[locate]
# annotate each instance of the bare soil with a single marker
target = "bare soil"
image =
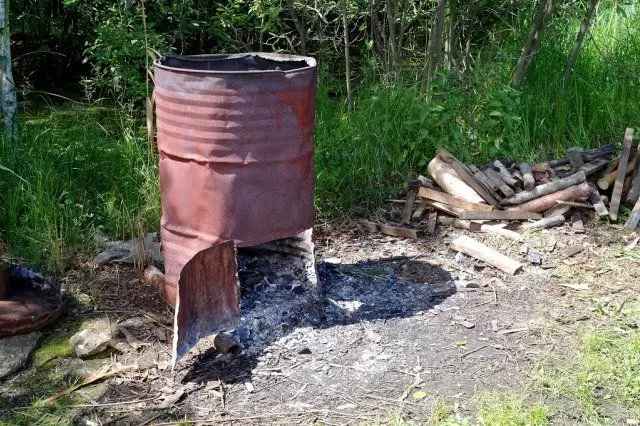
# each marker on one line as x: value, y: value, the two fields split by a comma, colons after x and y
x: 396, y: 318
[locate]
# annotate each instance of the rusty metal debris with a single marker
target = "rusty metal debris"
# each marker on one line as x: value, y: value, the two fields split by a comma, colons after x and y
x: 31, y: 301
x: 208, y: 298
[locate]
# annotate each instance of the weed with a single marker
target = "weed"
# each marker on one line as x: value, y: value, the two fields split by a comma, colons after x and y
x: 500, y: 409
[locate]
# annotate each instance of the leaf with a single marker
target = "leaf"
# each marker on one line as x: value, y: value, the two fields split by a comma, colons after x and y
x: 419, y: 395
x: 461, y: 343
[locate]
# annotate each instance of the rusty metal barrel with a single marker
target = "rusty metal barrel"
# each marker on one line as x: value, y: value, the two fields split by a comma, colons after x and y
x: 235, y: 136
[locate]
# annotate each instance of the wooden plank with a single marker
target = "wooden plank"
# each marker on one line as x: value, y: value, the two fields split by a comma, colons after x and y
x: 500, y: 215
x: 634, y: 217
x: 453, y: 211
x: 417, y: 215
x: 546, y: 189
x: 616, y: 196
x: 467, y: 176
x: 408, y: 207
x: 451, y: 200
x: 431, y: 222
x: 596, y: 200
x: 394, y: 231
x: 476, y: 249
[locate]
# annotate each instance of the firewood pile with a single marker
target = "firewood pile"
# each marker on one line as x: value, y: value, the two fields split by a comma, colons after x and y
x: 509, y: 197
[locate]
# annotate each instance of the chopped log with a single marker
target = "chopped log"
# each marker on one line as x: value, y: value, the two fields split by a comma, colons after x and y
x: 431, y: 222
x: 596, y: 200
x: 476, y: 249
x: 417, y: 215
x: 527, y: 176
x: 394, y: 231
x: 609, y: 179
x: 408, y: 207
x: 557, y: 210
x: 546, y: 202
x: 594, y: 166
x: 542, y: 177
x: 453, y: 211
x: 458, y: 223
x: 540, y: 167
x: 575, y: 157
x: 605, y: 200
x: 503, y: 187
x: 545, y: 189
x: 616, y: 196
x: 468, y: 178
x: 470, y: 225
x: 547, y: 222
x: 421, y: 181
x: 504, y: 173
x: 500, y: 215
x: 587, y: 156
x: 577, y: 224
x: 489, y: 183
x: 518, y: 177
x: 451, y: 200
x: 575, y: 204
x: 634, y: 217
x: 552, y: 175
x: 449, y: 180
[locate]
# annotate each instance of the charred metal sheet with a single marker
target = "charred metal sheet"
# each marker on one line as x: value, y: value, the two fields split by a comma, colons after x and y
x: 209, y: 297
x: 235, y: 135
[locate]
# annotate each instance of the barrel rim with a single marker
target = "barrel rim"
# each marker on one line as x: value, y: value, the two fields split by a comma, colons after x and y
x: 311, y: 63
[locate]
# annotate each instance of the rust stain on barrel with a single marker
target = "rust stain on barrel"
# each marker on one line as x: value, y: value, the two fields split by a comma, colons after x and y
x: 235, y: 135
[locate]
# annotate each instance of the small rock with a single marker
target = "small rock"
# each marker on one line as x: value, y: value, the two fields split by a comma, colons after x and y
x: 15, y: 351
x: 89, y: 342
x: 524, y: 249
x: 305, y: 351
x: 332, y: 260
x: 417, y: 369
x: 494, y: 326
x: 466, y: 324
x: 535, y: 258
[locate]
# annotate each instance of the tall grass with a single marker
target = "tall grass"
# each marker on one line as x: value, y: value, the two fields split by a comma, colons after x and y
x: 84, y: 169
x: 77, y: 170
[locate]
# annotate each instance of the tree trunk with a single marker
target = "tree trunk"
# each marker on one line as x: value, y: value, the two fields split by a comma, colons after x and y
x: 299, y: 27
x: 9, y: 100
x: 435, y: 44
x: 532, y: 43
x: 347, y: 62
x: 584, y: 27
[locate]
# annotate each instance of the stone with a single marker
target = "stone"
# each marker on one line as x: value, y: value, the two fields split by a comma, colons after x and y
x: 89, y: 342
x: 15, y: 352
x: 534, y: 258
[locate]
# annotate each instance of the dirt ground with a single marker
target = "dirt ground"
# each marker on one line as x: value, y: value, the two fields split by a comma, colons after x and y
x: 402, y: 325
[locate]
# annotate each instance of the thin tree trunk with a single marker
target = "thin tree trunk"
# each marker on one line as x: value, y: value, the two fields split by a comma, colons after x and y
x: 584, y: 27
x: 391, y: 22
x: 435, y: 44
x: 347, y: 62
x: 299, y: 27
x: 9, y: 101
x: 530, y: 49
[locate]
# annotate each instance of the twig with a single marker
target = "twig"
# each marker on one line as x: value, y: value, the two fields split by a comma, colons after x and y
x: 473, y: 351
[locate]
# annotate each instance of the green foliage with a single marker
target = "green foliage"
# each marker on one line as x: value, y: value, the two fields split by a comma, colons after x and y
x: 499, y: 409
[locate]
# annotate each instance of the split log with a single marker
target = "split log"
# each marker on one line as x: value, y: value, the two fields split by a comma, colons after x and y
x: 547, y: 222
x: 451, y: 200
x: 449, y: 180
x: 504, y: 173
x: 476, y: 249
x: 489, y: 183
x: 527, y: 176
x: 575, y: 157
x: 587, y: 156
x: 468, y: 178
x: 545, y: 189
x: 577, y: 224
x: 616, y: 196
x: 596, y: 200
x: 557, y: 210
x: 408, y: 207
x: 503, y: 187
x: 394, y: 231
x: 546, y: 202
x: 609, y: 179
x: 431, y: 222
x: 500, y: 215
x: 417, y: 215
x: 470, y: 225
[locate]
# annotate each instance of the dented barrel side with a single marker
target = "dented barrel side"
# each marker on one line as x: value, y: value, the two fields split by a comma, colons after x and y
x: 236, y: 155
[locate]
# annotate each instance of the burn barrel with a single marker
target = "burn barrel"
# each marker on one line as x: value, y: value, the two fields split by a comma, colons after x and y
x: 235, y: 136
